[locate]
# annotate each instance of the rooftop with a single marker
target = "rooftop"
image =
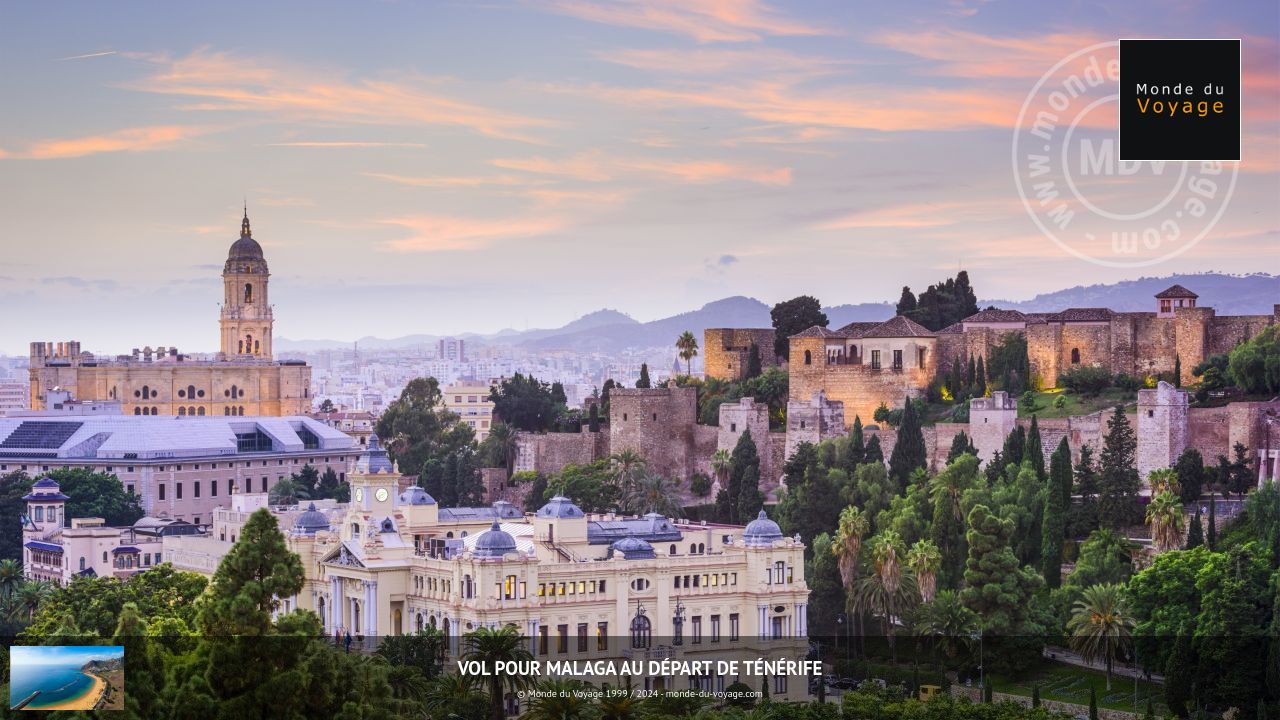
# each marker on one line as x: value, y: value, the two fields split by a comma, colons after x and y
x: 1175, y: 291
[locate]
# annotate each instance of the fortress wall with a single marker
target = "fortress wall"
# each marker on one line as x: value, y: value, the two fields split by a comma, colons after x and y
x: 725, y: 351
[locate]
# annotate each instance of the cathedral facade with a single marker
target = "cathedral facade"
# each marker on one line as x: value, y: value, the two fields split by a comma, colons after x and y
x: 241, y: 379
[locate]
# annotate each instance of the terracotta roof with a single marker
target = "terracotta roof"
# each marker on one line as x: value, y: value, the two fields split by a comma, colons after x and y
x: 856, y: 329
x: 817, y: 331
x: 1082, y: 315
x: 996, y: 315
x: 952, y: 329
x: 899, y: 327
x: 1176, y: 291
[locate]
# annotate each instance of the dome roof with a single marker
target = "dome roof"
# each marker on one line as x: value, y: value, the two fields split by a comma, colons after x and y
x: 633, y: 548
x: 46, y: 482
x: 416, y: 496
x: 311, y: 521
x: 494, y: 543
x: 246, y: 248
x: 560, y: 507
x: 762, y: 531
x: 374, y: 459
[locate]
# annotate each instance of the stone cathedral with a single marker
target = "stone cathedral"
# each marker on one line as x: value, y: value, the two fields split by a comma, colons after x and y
x: 242, y: 378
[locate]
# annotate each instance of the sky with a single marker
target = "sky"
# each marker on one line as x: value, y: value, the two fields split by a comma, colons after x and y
x: 28, y: 655
x: 450, y: 167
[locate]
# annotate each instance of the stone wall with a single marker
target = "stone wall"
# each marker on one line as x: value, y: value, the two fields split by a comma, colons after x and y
x: 725, y: 351
x: 813, y: 421
x: 737, y: 418
x: 990, y: 422
x: 548, y: 453
x: 861, y: 388
x: 658, y: 423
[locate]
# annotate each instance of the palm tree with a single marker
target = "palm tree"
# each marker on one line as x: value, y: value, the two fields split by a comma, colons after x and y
x: 948, y: 621
x: 491, y: 646
x: 924, y: 559
x: 618, y: 708
x: 848, y: 542
x: 1164, y: 479
x: 721, y: 463
x: 688, y: 346
x: 450, y: 691
x: 1100, y: 625
x: 888, y: 591
x: 652, y: 493
x: 1167, y: 521
x: 504, y: 439
x: 10, y: 577
x: 29, y: 597
x: 626, y: 465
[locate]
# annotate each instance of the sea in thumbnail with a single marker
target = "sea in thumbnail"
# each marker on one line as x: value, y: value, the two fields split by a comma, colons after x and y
x: 60, y: 677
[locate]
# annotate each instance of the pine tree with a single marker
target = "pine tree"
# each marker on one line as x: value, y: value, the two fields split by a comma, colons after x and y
x: 754, y: 365
x: 874, y: 453
x: 1195, y: 533
x: 643, y: 382
x: 906, y: 302
x: 993, y: 565
x: 1034, y: 450
x: 1055, y: 515
x: 994, y: 470
x: 1118, y: 482
x: 909, y: 451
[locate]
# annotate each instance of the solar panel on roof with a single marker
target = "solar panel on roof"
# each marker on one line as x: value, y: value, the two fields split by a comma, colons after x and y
x: 42, y: 435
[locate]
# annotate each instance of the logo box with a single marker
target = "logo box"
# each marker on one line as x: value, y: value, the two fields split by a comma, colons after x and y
x: 1179, y: 99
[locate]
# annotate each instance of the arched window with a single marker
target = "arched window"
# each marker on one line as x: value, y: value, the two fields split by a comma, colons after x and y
x: 257, y: 348
x: 702, y: 548
x: 191, y: 411
x: 82, y: 563
x: 419, y: 623
x: 808, y: 358
x: 146, y: 392
x: 248, y: 342
x: 137, y: 411
x: 673, y: 550
x: 641, y: 632
x: 1075, y: 356
x: 200, y: 411
x: 191, y: 391
x: 468, y: 587
x: 104, y: 556
x: 182, y: 411
x: 248, y: 292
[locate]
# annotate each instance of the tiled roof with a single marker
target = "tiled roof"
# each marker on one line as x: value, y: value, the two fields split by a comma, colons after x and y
x: 1036, y: 318
x: 996, y: 315
x: 1082, y: 315
x: 50, y: 547
x: 1176, y: 291
x: 856, y: 329
x: 817, y: 331
x: 899, y: 327
x: 952, y: 329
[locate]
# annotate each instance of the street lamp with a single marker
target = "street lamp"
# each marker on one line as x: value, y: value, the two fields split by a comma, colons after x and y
x: 678, y: 623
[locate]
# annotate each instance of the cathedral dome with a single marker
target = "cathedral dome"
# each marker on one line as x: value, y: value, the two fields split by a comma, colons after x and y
x: 761, y: 532
x: 246, y: 248
x: 494, y: 543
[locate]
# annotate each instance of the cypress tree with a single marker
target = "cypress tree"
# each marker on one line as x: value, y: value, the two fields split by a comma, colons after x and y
x: 1177, y: 371
x: 874, y: 453
x: 1211, y: 537
x: 1093, y: 704
x: 956, y: 382
x: 1118, y: 481
x: 857, y: 447
x: 1055, y: 515
x: 1035, y: 696
x: 751, y: 502
x: 593, y: 418
x: 1015, y: 447
x: 1034, y: 450
x: 909, y: 451
x: 994, y: 469
x: 960, y: 445
x: 971, y: 374
x: 980, y: 378
x: 754, y: 365
x: 643, y: 382
x: 744, y: 457
x: 1195, y: 533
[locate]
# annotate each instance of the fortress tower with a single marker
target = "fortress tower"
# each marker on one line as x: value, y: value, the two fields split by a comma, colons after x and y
x: 1162, y: 428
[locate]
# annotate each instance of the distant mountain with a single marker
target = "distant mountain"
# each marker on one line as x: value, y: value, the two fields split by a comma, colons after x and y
x: 1228, y: 294
x: 611, y: 331
x: 103, y: 666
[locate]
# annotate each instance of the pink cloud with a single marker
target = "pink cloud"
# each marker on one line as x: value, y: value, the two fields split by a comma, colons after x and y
x: 440, y: 233
x: 140, y: 139
x: 454, y: 181
x: 594, y: 166
x: 703, y: 20
x: 221, y: 81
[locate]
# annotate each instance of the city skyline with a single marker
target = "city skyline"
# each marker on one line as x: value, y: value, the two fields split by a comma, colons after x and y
x: 428, y: 167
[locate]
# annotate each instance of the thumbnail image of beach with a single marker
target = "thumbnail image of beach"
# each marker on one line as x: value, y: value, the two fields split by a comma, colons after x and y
x: 66, y: 677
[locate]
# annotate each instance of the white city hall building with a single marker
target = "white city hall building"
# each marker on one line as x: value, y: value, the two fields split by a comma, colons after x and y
x: 580, y: 587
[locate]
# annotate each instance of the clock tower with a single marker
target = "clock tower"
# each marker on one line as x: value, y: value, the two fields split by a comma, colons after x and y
x: 246, y: 311
x: 374, y: 482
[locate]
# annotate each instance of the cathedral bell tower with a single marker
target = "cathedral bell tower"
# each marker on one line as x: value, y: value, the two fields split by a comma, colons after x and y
x: 246, y: 310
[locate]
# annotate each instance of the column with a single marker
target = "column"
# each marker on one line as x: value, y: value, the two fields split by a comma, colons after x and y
x: 335, y: 604
x: 533, y: 636
x: 453, y: 636
x: 1263, y: 463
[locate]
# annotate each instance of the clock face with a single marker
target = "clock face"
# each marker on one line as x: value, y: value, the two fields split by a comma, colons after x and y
x: 381, y: 495
x: 359, y: 494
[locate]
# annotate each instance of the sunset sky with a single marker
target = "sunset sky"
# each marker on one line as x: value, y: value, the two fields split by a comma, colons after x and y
x: 453, y: 167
